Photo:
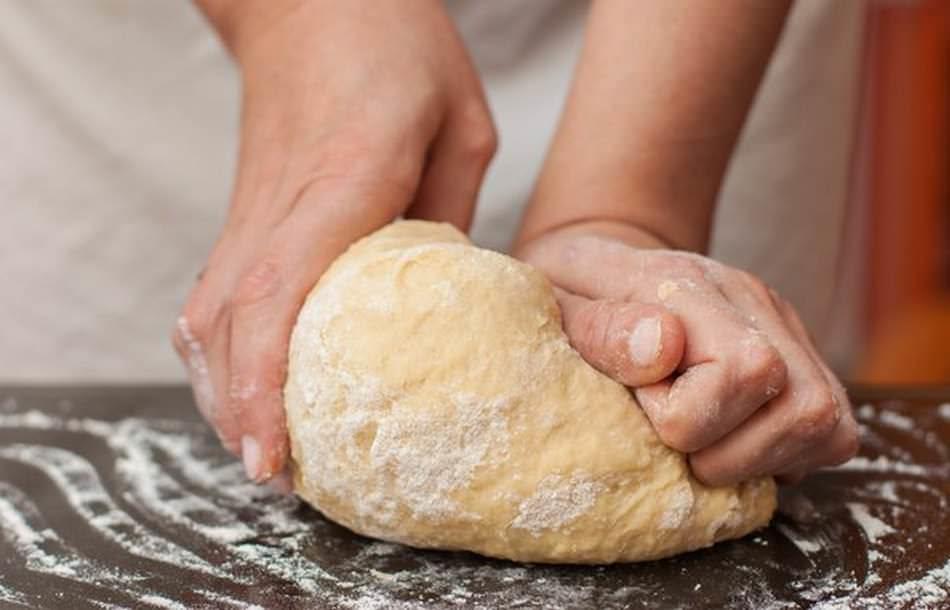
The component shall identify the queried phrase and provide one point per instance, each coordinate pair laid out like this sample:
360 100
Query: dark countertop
121 497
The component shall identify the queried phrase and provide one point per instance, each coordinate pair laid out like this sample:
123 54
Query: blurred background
900 246
118 140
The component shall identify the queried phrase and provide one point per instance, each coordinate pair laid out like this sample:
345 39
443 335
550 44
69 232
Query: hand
353 113
750 395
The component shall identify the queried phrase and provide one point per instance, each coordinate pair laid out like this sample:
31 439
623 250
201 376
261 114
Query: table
120 497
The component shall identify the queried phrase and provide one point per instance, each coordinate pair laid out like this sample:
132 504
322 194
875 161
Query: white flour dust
873 527
160 494
558 501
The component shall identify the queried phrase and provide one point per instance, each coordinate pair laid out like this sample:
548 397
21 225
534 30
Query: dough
433 399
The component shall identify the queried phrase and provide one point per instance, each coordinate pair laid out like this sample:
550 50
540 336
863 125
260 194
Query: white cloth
119 123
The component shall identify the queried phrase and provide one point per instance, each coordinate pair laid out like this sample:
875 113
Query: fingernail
251 455
644 342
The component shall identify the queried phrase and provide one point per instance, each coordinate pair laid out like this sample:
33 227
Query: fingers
795 430
729 367
729 371
201 339
772 441
633 343
754 396
844 441
459 158
269 295
258 367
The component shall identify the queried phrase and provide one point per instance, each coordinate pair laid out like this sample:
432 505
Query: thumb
636 344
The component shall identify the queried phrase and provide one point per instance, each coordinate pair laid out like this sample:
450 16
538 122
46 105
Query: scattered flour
873 527
883 464
170 474
806 546
896 420
680 507
558 501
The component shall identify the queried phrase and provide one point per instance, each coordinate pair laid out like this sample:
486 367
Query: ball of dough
433 399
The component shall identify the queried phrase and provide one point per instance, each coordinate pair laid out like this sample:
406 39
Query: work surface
121 497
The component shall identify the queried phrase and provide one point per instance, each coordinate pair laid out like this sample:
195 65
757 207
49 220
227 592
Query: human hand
749 394
353 114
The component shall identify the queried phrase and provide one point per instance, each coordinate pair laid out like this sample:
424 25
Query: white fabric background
118 122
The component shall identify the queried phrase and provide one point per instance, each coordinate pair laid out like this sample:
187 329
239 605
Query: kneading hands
356 113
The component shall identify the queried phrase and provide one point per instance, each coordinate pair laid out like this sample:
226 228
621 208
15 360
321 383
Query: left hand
721 365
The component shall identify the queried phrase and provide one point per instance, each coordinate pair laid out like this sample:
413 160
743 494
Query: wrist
240 22
598 189
617 230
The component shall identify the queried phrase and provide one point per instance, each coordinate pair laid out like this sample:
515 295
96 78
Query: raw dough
433 399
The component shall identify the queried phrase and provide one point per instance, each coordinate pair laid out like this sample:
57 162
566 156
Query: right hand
751 395
353 114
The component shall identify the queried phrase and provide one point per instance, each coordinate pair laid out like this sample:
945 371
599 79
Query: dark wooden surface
121 497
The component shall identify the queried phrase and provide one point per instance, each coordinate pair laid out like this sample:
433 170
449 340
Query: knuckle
479 136
678 432
194 326
259 283
848 443
756 287
709 470
753 288
687 268
761 364
818 415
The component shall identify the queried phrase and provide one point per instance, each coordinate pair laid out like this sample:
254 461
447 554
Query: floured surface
120 498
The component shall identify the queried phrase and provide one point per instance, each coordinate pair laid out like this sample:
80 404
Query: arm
660 94
352 114
721 365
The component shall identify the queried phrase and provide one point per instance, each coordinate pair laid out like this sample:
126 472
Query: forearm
658 100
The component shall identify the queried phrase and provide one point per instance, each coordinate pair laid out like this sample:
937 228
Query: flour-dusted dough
433 399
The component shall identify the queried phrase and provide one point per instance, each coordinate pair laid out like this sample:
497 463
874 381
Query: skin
631 179
357 112
353 113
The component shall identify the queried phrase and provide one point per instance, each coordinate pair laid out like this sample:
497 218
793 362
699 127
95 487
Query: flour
873 527
432 456
806 546
896 420
930 591
87 497
557 502
679 507
194 511
883 464
197 365
887 490
445 450
13 597
161 602
29 540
